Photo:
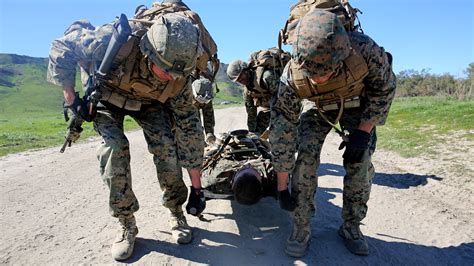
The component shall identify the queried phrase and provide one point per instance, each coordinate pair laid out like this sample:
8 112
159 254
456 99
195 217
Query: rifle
121 32
212 160
74 127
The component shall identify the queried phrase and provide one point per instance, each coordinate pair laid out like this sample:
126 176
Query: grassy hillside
31 114
30 108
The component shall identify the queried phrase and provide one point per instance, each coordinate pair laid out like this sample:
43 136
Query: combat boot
354 240
122 248
180 229
298 242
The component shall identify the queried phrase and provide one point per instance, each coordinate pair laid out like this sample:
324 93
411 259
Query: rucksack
271 58
208 44
344 11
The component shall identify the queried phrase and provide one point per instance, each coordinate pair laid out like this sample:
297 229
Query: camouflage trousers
208 119
263 120
114 157
312 132
257 120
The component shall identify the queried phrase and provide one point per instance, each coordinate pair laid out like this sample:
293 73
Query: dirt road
54 210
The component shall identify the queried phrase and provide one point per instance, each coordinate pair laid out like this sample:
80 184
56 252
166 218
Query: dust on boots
122 248
180 229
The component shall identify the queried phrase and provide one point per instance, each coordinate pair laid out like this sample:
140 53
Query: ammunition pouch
121 101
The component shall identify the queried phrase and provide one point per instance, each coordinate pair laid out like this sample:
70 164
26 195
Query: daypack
344 11
271 58
210 47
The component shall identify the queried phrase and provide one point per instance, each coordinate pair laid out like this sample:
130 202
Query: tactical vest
240 146
272 59
258 91
347 84
131 77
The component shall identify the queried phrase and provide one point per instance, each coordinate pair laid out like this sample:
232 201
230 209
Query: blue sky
421 34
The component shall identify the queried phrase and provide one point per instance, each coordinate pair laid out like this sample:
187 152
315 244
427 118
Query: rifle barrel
66 143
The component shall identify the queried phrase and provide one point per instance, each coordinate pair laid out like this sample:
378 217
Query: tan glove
210 139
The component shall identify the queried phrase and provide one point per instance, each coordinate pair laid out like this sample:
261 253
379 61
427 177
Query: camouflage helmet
235 68
321 43
173 44
202 90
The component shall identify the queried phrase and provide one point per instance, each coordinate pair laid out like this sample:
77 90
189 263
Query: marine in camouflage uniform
258 92
209 121
322 56
222 171
158 97
203 95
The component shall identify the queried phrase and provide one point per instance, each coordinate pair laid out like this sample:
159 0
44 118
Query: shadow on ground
395 180
263 229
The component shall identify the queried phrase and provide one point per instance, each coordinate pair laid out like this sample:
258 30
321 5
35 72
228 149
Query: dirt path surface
53 210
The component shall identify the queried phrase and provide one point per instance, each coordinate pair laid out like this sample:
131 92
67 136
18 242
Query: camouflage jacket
378 94
253 98
218 177
84 46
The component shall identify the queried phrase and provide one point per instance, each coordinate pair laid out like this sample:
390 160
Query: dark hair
247 189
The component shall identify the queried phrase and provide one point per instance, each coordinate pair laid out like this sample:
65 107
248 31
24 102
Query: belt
348 103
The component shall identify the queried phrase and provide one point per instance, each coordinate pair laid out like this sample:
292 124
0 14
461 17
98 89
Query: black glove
287 202
74 129
196 202
356 147
79 108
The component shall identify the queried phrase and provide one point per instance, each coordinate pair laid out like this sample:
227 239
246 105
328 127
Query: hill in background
23 84
31 114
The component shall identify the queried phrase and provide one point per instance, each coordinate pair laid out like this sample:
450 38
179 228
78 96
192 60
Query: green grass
222 96
39 130
416 125
31 115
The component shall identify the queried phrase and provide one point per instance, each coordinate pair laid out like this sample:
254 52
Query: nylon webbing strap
339 115
171 88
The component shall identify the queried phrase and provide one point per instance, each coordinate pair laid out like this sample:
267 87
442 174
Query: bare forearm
282 180
69 94
195 175
366 126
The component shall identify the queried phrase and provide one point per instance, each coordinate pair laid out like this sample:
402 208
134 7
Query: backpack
344 11
144 14
271 58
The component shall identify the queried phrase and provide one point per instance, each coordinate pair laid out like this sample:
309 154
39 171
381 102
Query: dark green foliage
421 83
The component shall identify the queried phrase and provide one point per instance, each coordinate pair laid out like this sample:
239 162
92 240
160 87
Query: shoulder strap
302 84
357 65
172 89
